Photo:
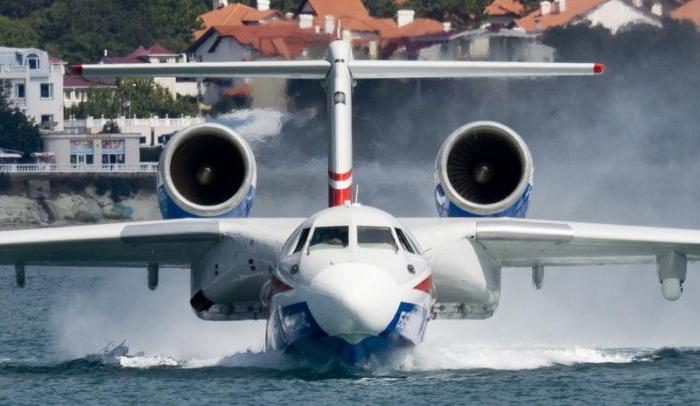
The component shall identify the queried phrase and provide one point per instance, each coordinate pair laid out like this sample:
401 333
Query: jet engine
483 169
206 170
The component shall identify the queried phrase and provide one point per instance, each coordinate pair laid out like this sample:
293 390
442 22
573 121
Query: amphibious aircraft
349 281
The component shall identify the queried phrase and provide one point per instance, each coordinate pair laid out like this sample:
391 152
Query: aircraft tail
339 71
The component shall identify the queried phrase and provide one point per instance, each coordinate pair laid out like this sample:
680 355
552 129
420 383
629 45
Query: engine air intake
484 168
207 171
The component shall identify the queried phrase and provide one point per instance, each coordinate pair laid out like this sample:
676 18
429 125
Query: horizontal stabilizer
360 69
464 69
316 69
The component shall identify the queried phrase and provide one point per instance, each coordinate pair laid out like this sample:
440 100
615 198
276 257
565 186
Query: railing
17 102
13 69
78 168
126 123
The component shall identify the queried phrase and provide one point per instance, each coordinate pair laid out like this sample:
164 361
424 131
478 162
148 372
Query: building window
20 91
33 62
113 152
18 58
81 152
46 91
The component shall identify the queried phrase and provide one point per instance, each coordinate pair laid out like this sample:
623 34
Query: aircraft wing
315 69
526 243
535 243
364 69
172 243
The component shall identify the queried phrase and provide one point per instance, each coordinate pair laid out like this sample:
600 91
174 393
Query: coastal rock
18 210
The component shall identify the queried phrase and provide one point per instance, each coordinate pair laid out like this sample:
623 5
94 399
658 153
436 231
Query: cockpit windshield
375 237
329 237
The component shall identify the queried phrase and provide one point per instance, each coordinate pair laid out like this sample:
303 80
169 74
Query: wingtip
598 68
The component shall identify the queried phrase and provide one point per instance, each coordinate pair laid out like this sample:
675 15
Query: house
157 53
611 14
688 11
372 37
225 14
36 84
150 131
235 32
486 45
281 39
76 89
503 13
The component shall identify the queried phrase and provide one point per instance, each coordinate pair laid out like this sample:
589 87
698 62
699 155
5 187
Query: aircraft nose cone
353 301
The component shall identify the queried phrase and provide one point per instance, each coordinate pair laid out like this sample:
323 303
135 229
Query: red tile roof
138 55
276 39
338 8
535 21
234 14
140 51
79 81
504 7
56 60
158 49
234 91
688 11
420 27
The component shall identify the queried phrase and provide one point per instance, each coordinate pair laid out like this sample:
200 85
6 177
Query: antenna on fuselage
357 193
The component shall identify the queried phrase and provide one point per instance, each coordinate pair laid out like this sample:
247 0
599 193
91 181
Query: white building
76 89
87 151
151 131
485 45
159 54
36 84
611 14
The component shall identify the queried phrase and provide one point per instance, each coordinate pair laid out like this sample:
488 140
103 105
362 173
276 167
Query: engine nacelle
483 169
206 170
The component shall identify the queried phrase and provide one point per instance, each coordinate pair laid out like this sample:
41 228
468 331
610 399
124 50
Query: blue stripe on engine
446 208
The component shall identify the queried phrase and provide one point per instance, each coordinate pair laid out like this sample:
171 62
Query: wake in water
425 358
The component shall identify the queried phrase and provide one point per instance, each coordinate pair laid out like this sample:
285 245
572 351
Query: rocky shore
73 208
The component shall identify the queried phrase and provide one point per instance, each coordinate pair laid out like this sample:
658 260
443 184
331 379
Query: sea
590 336
93 336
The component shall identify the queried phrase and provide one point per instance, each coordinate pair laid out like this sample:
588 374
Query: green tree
17 131
17 33
110 127
172 21
22 8
461 13
133 97
382 8
80 30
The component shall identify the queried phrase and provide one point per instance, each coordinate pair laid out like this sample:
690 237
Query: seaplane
349 282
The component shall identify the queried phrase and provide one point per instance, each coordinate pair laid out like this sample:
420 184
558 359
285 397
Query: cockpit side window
329 237
302 240
404 241
375 237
